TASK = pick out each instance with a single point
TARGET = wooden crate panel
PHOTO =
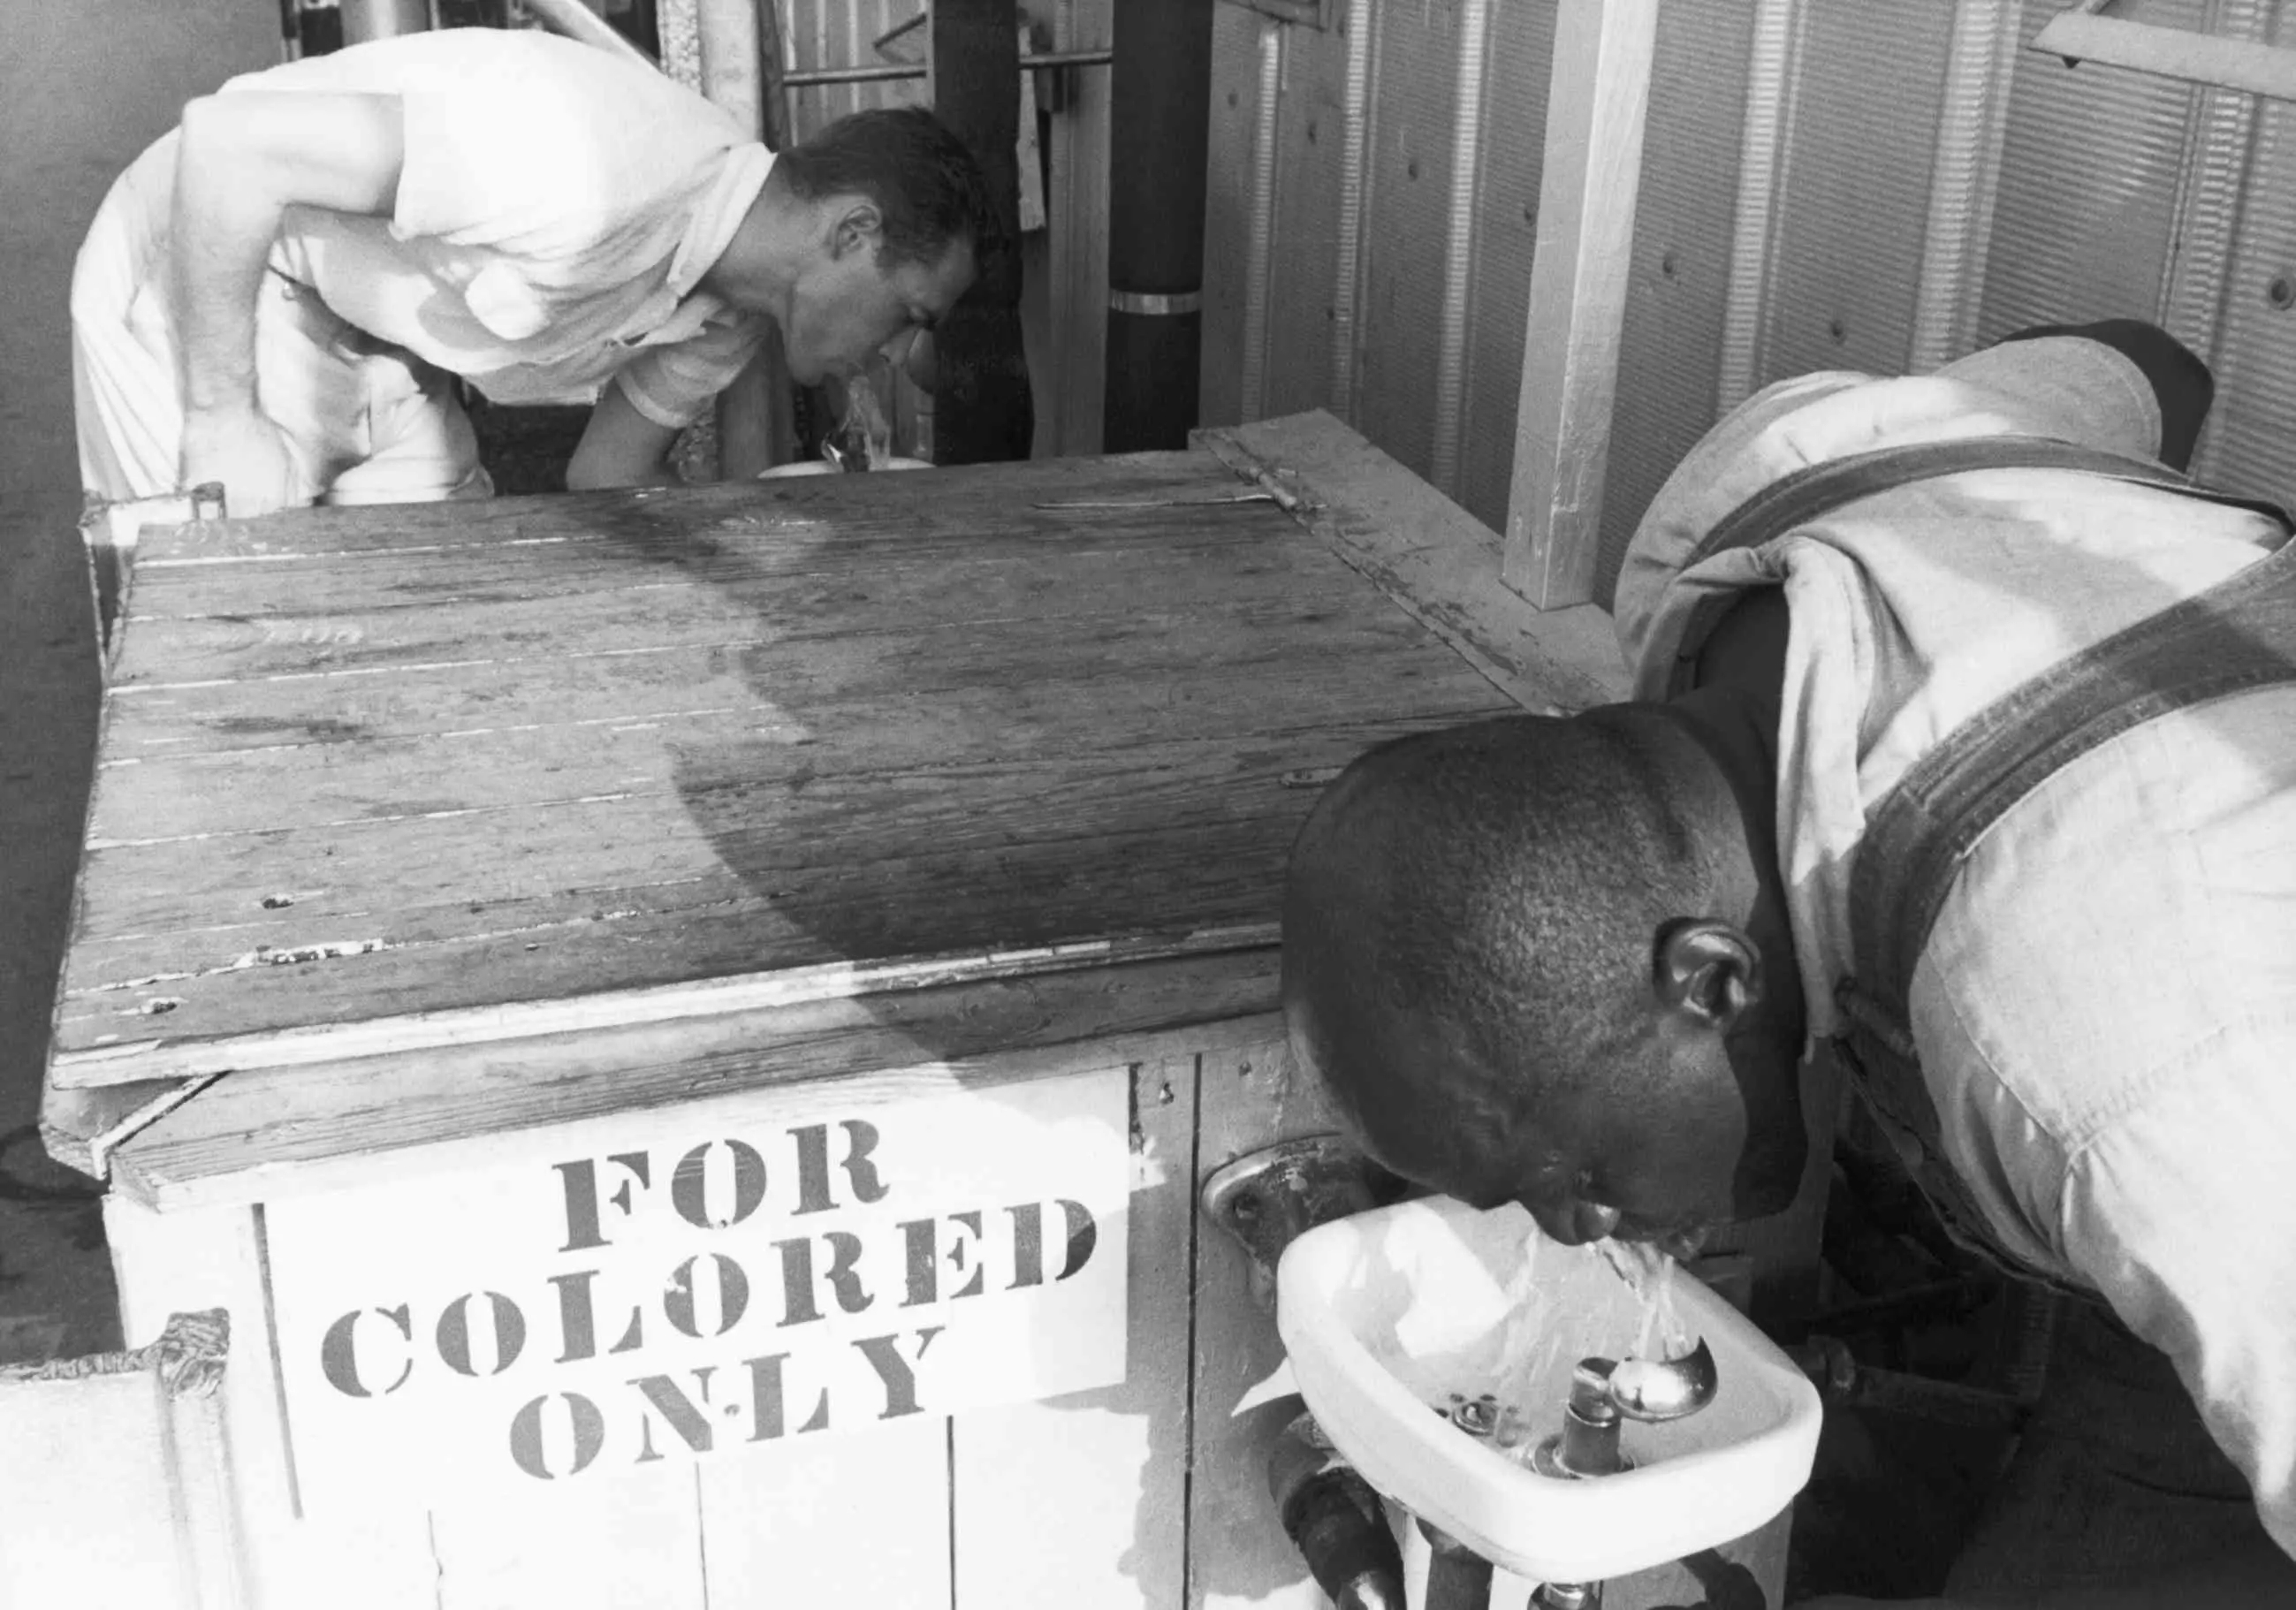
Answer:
(1239, 1557)
(861, 1519)
(1082, 1499)
(361, 764)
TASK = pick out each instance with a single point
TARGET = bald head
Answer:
(1469, 915)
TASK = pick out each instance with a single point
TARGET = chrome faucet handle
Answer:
(1663, 1389)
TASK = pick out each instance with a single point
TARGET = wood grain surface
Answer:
(385, 766)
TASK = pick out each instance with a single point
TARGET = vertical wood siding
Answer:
(1498, 295)
(1670, 351)
(2116, 195)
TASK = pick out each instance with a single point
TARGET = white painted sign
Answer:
(678, 1288)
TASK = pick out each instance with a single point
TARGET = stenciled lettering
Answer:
(583, 1432)
(861, 1138)
(797, 1306)
(925, 1256)
(730, 1290)
(584, 1231)
(454, 1334)
(681, 1413)
(896, 1373)
(768, 1417)
(689, 1181)
(578, 1324)
(339, 1353)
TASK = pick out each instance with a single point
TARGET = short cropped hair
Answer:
(1500, 886)
(925, 182)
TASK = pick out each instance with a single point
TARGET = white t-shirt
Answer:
(557, 209)
(2106, 1007)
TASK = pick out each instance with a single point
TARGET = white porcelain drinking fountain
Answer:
(1532, 1404)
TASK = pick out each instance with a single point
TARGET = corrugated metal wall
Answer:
(2108, 194)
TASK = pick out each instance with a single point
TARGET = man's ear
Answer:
(860, 228)
(1709, 970)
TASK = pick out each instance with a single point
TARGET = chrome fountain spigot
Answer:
(1606, 1392)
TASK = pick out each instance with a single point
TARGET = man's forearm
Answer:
(227, 216)
(243, 160)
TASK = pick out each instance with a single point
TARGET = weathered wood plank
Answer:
(1122, 663)
(1077, 207)
(1595, 107)
(897, 910)
(944, 502)
(378, 857)
(387, 796)
(1238, 1556)
(1081, 1500)
(292, 785)
(821, 869)
(1434, 560)
(749, 559)
(1209, 610)
(628, 1540)
(186, 1261)
(859, 1518)
(350, 1121)
(67, 1443)
(79, 1128)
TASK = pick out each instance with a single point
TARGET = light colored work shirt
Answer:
(2106, 1008)
(556, 212)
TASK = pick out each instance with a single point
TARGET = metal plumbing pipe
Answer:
(364, 19)
(1160, 116)
(1334, 1519)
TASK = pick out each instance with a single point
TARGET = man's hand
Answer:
(248, 455)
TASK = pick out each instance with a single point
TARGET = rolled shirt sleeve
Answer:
(672, 385)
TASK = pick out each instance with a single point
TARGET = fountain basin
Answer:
(1387, 1314)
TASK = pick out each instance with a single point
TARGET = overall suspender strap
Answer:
(1813, 493)
(2239, 635)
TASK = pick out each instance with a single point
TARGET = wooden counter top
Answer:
(381, 782)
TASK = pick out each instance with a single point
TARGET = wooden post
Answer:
(983, 410)
(741, 72)
(1598, 93)
(1078, 209)
(2248, 65)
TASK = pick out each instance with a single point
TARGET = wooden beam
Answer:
(576, 20)
(1079, 211)
(2171, 52)
(1598, 94)
(1438, 563)
(741, 72)
(79, 1128)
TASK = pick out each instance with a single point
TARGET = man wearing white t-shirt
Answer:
(277, 295)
